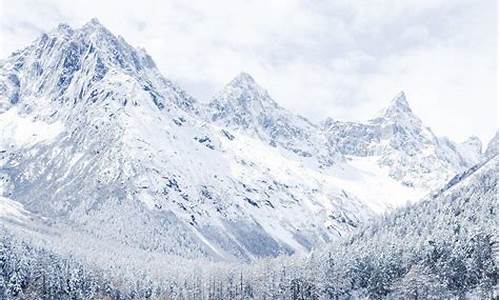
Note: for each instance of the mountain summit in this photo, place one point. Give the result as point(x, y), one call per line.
point(66, 63)
point(398, 105)
point(246, 107)
point(244, 79)
point(242, 103)
point(400, 142)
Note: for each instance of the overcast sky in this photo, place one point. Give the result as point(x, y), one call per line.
point(342, 59)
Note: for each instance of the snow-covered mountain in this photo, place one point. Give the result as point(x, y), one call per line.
point(94, 138)
point(111, 147)
point(399, 142)
point(244, 106)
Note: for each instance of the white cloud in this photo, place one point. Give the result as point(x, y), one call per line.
point(343, 59)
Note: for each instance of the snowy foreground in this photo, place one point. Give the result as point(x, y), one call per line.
point(116, 184)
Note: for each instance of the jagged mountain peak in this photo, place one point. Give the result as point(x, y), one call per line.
point(93, 25)
point(96, 27)
point(401, 142)
point(95, 35)
point(64, 29)
point(92, 37)
point(76, 65)
point(242, 96)
point(398, 106)
point(400, 100)
point(399, 113)
point(245, 106)
point(94, 22)
point(243, 78)
point(245, 90)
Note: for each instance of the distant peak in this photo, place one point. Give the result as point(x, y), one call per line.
point(399, 105)
point(91, 26)
point(243, 90)
point(64, 28)
point(243, 78)
point(94, 24)
point(400, 101)
point(244, 81)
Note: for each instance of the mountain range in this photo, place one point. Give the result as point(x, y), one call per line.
point(95, 141)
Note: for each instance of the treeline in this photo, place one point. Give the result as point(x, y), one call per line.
point(443, 248)
point(32, 273)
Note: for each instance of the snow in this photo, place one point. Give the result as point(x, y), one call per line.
point(24, 131)
point(11, 209)
point(372, 183)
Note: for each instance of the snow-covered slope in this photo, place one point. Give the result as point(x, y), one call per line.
point(443, 247)
point(400, 143)
point(92, 136)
